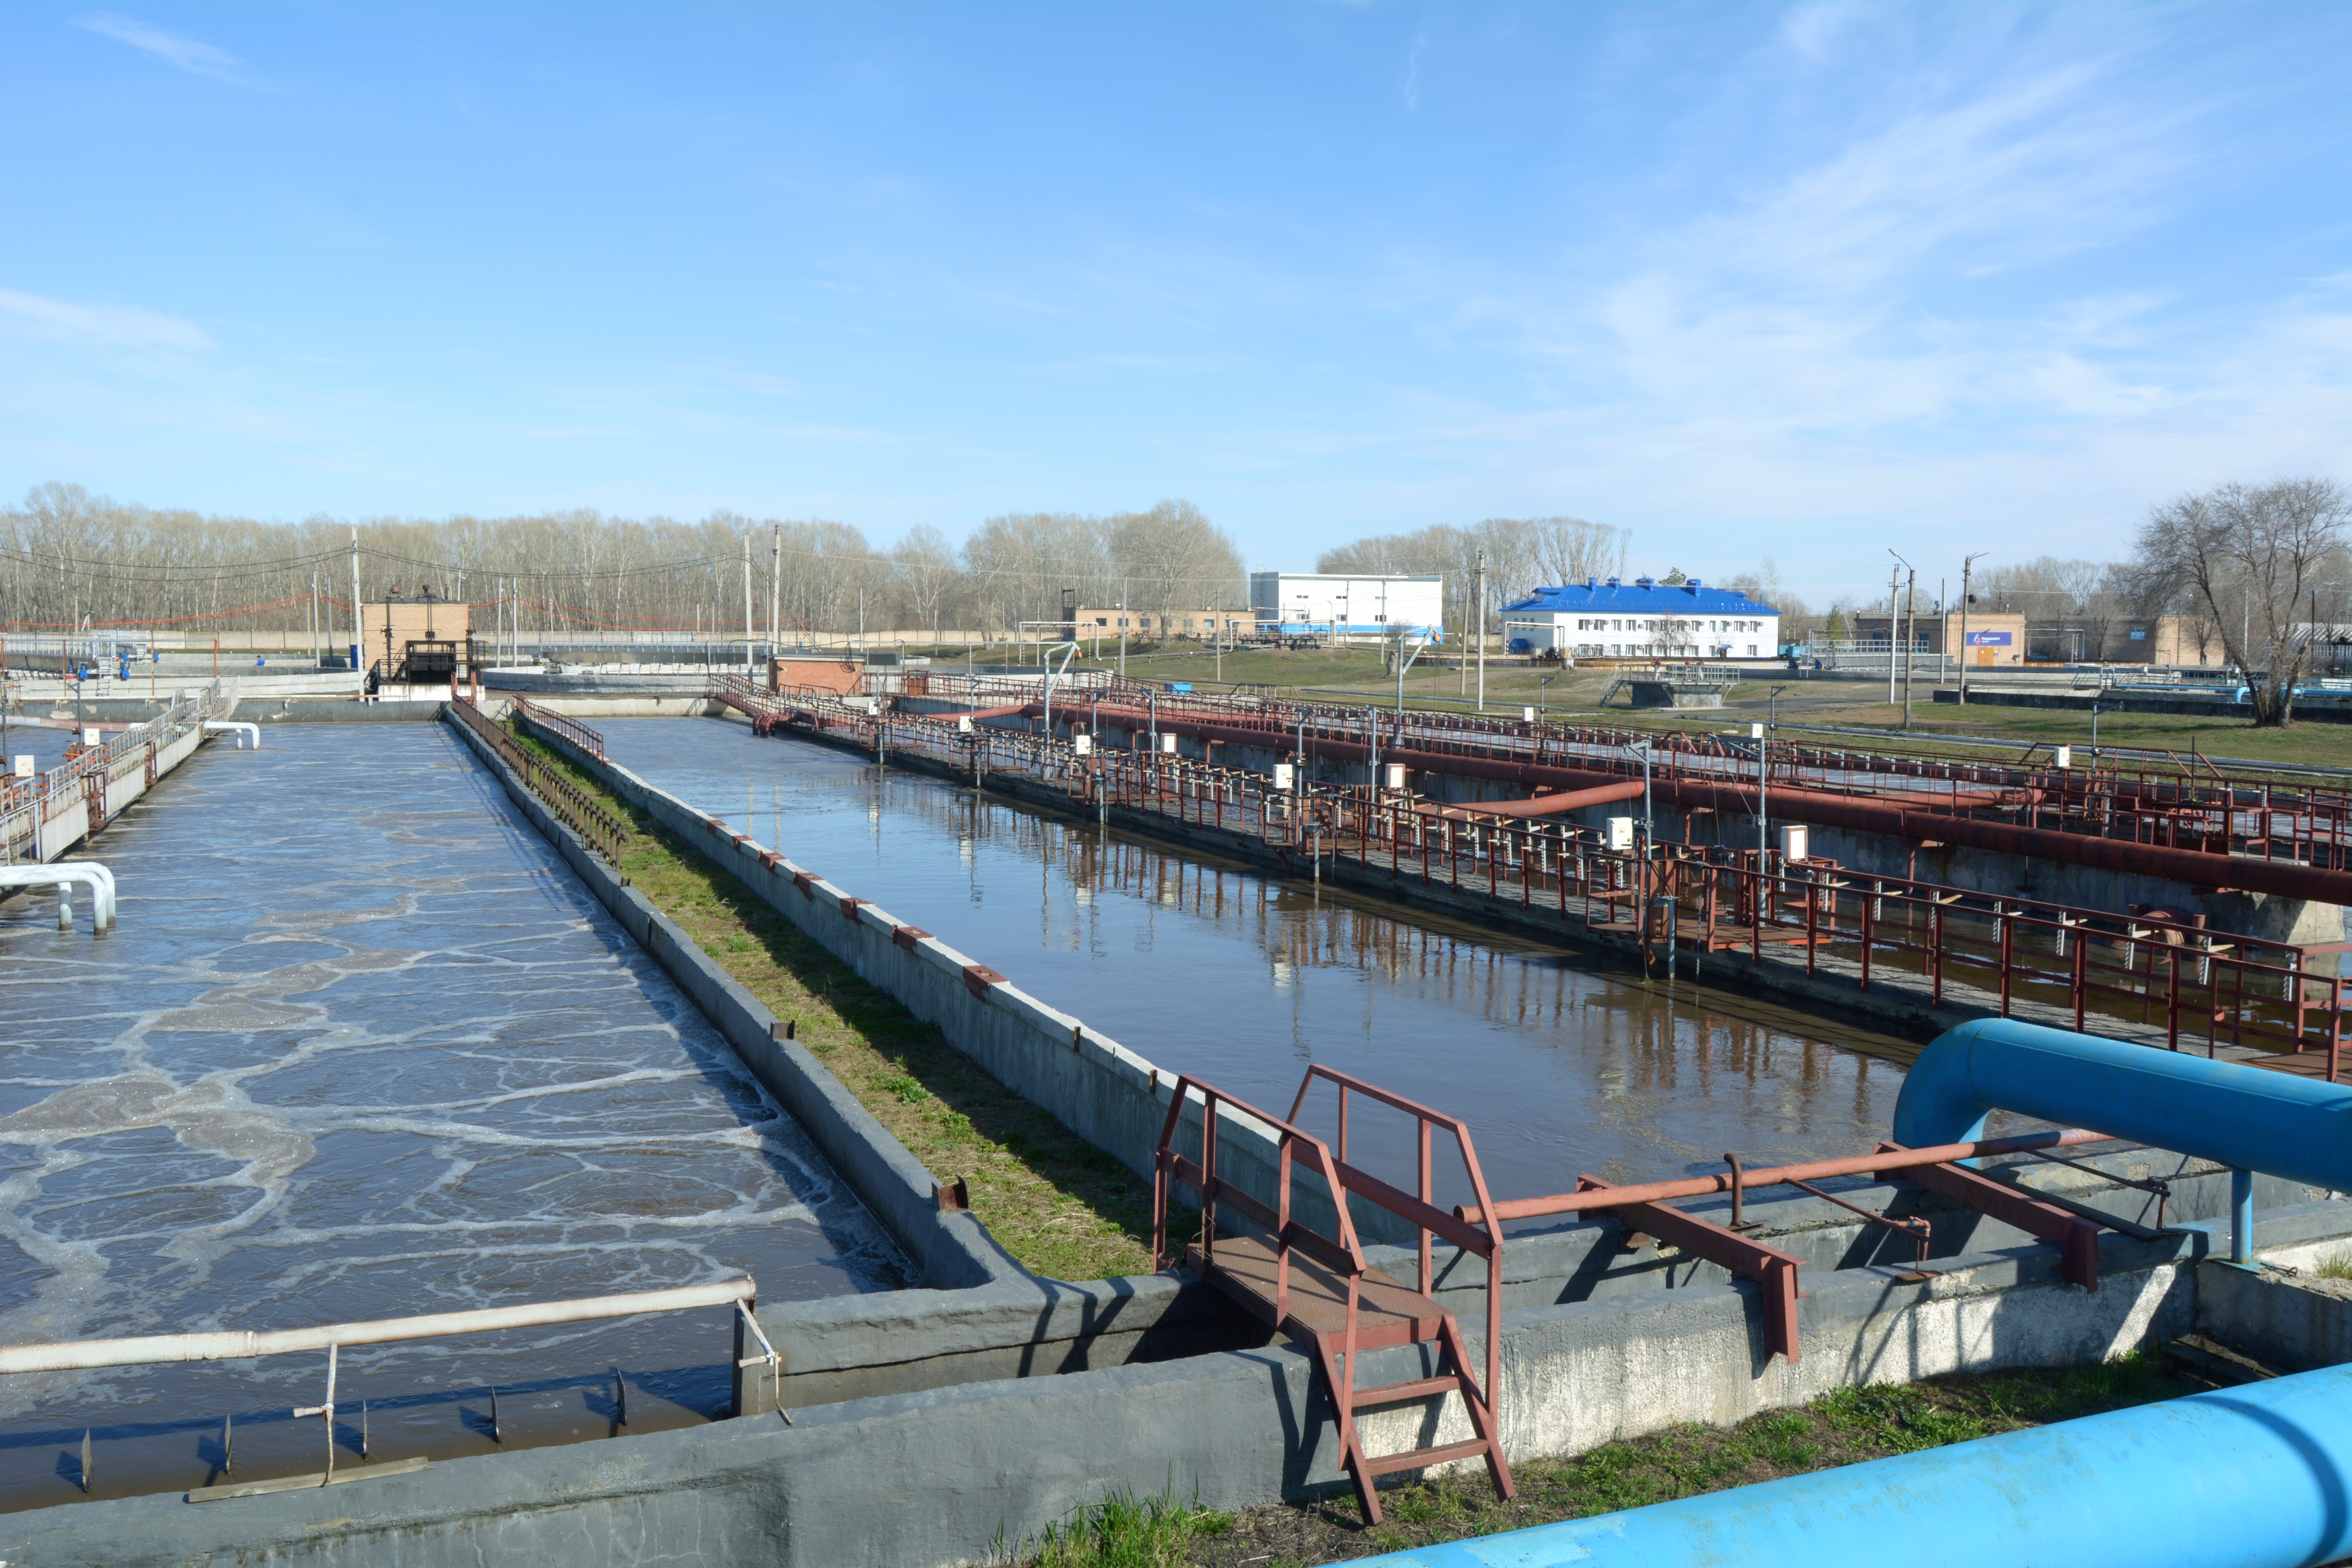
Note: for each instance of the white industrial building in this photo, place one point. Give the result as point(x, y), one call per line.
point(1643, 619)
point(1338, 605)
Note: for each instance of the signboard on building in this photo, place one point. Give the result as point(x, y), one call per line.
point(1988, 639)
point(2139, 634)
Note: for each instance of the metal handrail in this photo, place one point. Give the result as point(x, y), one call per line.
point(26, 804)
point(163, 1350)
point(159, 1350)
point(1426, 1218)
point(571, 729)
point(599, 828)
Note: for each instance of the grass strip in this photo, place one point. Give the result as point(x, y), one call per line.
point(1843, 1428)
point(1060, 1206)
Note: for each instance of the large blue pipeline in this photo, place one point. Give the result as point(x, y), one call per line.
point(2250, 1477)
point(2246, 1478)
point(2247, 1118)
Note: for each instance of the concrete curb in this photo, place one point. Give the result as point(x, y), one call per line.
point(1104, 1093)
point(952, 1249)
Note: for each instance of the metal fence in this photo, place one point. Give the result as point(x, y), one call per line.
point(84, 777)
point(1713, 904)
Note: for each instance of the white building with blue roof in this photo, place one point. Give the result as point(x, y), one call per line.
point(1643, 619)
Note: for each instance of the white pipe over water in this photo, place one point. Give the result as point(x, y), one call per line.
point(63, 875)
point(242, 728)
point(157, 1350)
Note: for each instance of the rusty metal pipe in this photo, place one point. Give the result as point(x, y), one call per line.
point(1538, 805)
point(2192, 867)
point(1812, 1171)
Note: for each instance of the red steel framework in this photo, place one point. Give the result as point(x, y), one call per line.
point(1317, 1289)
point(2149, 968)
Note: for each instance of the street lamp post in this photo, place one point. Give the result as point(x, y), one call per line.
point(1965, 599)
point(1894, 632)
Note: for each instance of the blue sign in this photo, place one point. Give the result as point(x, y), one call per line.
point(2139, 634)
point(1988, 639)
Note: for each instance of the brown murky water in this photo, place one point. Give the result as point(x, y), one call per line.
point(1561, 1064)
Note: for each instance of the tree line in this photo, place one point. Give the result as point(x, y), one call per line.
point(74, 560)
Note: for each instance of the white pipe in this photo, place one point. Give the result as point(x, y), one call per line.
point(63, 874)
point(156, 1350)
point(237, 725)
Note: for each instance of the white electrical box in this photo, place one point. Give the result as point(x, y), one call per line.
point(1168, 743)
point(1396, 775)
point(1755, 732)
point(963, 723)
point(2064, 757)
point(1621, 833)
point(1794, 843)
point(1282, 772)
point(92, 738)
point(1527, 715)
point(21, 765)
point(1083, 744)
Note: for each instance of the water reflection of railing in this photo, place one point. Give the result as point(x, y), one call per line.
point(2151, 971)
point(26, 805)
point(164, 1349)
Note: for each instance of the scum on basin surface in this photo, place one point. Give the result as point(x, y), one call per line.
point(362, 1047)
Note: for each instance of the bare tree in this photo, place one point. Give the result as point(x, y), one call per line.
point(1176, 558)
point(1522, 555)
point(924, 566)
point(1570, 550)
point(2257, 549)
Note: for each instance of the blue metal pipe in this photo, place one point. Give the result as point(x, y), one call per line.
point(2239, 1116)
point(2245, 1478)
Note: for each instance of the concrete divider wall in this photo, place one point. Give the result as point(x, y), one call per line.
point(969, 1473)
point(1108, 1095)
point(949, 1248)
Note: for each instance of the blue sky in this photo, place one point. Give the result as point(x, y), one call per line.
point(1749, 279)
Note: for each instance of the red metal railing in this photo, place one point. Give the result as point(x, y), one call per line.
point(571, 730)
point(27, 803)
point(573, 807)
point(2136, 974)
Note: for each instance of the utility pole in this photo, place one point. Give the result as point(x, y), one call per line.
point(1126, 592)
point(747, 606)
point(355, 601)
point(1893, 621)
point(1482, 631)
point(1911, 616)
point(775, 586)
point(1967, 566)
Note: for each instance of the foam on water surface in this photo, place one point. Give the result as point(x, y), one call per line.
point(361, 1047)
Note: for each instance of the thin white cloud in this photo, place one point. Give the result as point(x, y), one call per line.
point(189, 55)
point(100, 326)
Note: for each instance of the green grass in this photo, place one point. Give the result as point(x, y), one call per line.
point(2337, 1265)
point(1063, 1207)
point(1845, 1426)
point(1126, 1531)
